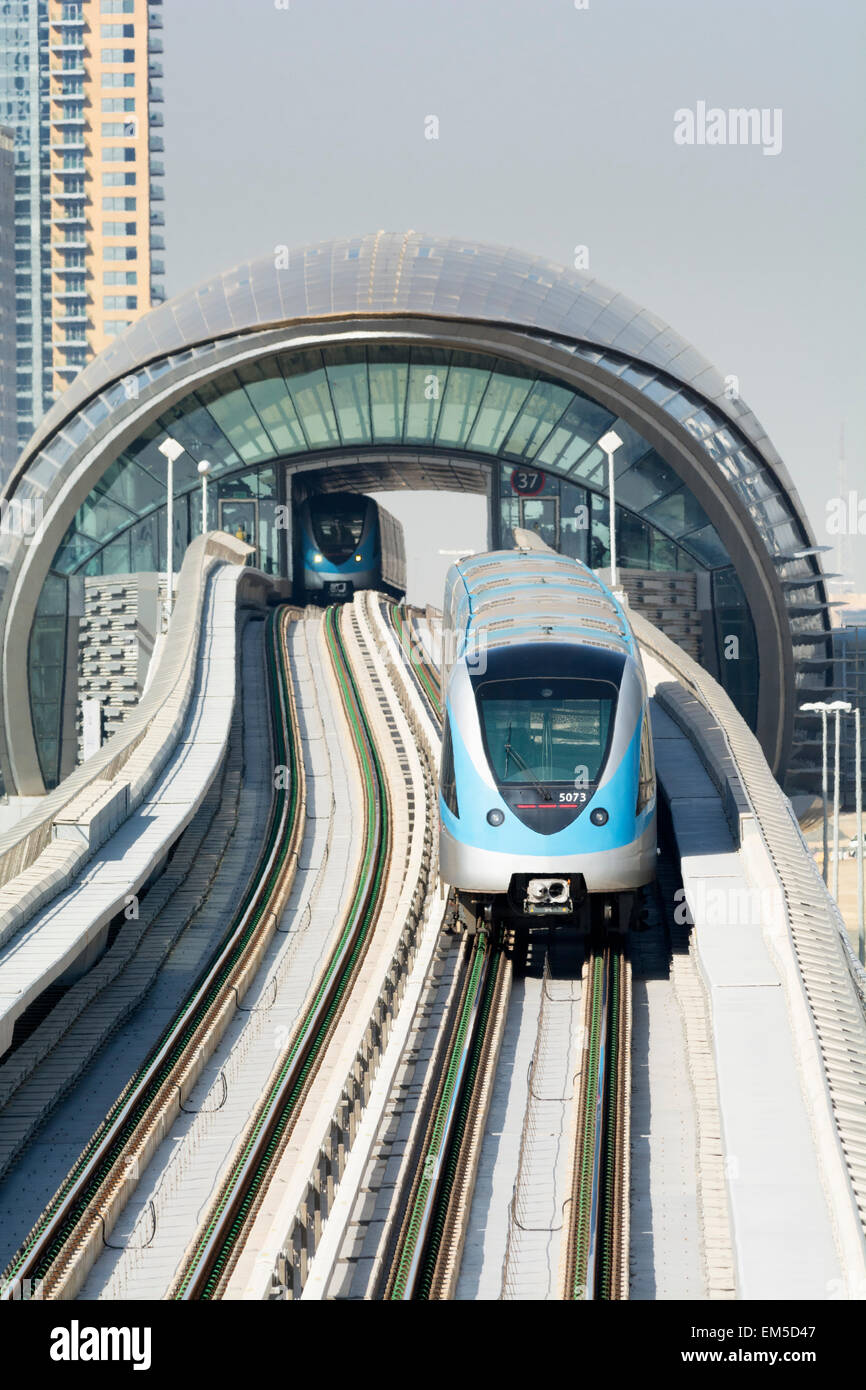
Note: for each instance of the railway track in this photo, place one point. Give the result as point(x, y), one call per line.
point(596, 1242)
point(214, 1255)
point(66, 1240)
point(422, 1261)
point(426, 1260)
point(404, 622)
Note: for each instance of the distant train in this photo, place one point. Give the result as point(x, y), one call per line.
point(547, 785)
point(348, 542)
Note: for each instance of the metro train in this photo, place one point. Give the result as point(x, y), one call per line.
point(547, 784)
point(348, 542)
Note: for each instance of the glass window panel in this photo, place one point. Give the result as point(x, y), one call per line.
point(591, 465)
point(633, 540)
point(573, 521)
point(195, 428)
point(645, 482)
point(273, 403)
point(143, 546)
point(425, 393)
point(680, 406)
point(658, 391)
point(74, 550)
point(599, 543)
point(52, 600)
point(707, 545)
point(663, 551)
point(388, 381)
point(350, 393)
point(463, 395)
point(115, 556)
point(239, 422)
point(583, 423)
point(700, 424)
point(269, 538)
point(676, 513)
point(544, 405)
point(499, 409)
point(770, 511)
point(145, 452)
point(311, 398)
point(45, 719)
point(131, 486)
point(100, 517)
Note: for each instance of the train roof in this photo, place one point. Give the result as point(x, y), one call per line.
point(505, 597)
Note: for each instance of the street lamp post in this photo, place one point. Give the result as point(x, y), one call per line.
point(858, 791)
point(171, 450)
point(203, 470)
point(839, 707)
point(610, 442)
point(821, 707)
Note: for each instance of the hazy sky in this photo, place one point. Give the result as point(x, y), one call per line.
point(286, 125)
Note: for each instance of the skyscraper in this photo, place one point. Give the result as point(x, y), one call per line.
point(78, 83)
point(8, 428)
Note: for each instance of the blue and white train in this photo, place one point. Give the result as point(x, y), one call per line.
point(347, 542)
point(547, 784)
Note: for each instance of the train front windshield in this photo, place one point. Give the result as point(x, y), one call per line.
point(338, 523)
point(546, 731)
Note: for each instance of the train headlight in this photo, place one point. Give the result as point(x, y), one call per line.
point(599, 816)
point(495, 817)
point(358, 559)
point(317, 558)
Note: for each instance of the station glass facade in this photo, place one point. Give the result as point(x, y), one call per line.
point(288, 407)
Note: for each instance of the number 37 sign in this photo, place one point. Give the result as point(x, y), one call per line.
point(527, 482)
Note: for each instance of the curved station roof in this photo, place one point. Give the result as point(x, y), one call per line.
point(393, 360)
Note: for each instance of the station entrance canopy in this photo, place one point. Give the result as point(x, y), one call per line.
point(394, 361)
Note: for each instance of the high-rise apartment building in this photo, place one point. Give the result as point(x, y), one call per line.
point(79, 83)
point(8, 426)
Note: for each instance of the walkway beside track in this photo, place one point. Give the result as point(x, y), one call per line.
point(64, 939)
point(189, 909)
point(774, 1173)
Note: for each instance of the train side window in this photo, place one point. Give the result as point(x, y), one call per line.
point(447, 780)
point(646, 788)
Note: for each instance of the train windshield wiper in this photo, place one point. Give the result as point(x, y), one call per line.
point(521, 762)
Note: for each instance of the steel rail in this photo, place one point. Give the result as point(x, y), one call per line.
point(212, 1260)
point(423, 671)
point(159, 1081)
point(595, 1249)
point(408, 1264)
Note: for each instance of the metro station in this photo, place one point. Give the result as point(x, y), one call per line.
point(392, 362)
point(279, 1017)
